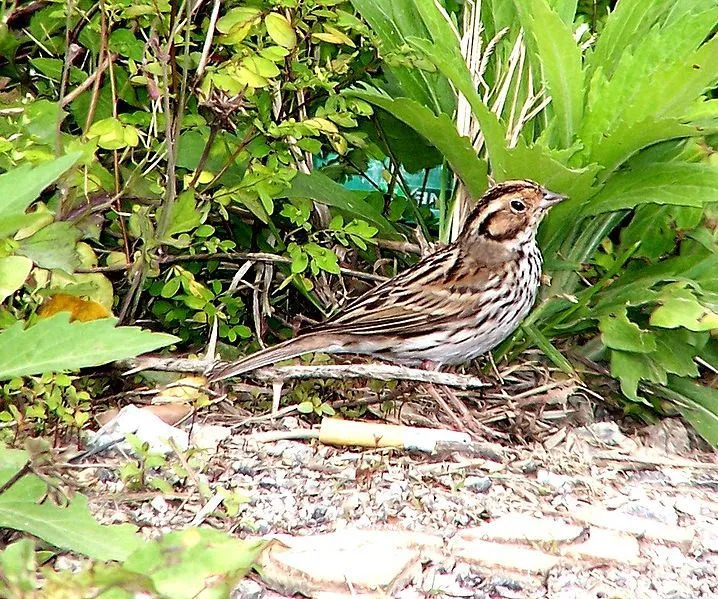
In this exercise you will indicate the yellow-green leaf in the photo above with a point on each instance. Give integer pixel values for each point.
(280, 30)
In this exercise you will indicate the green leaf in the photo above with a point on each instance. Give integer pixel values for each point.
(675, 355)
(656, 228)
(677, 183)
(440, 131)
(625, 26)
(323, 257)
(124, 42)
(394, 23)
(184, 215)
(452, 65)
(13, 272)
(70, 527)
(561, 64)
(54, 344)
(547, 348)
(21, 186)
(196, 562)
(680, 308)
(629, 368)
(280, 30)
(617, 332)
(698, 404)
(53, 246)
(322, 189)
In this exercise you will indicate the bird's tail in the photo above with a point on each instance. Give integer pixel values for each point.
(292, 348)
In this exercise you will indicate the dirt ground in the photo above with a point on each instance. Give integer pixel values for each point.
(556, 503)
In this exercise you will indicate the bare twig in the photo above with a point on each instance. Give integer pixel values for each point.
(207, 41)
(382, 372)
(249, 256)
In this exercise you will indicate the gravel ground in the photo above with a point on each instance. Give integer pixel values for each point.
(600, 515)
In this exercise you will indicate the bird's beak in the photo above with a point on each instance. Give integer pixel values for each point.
(550, 199)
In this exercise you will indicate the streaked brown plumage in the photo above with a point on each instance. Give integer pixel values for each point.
(452, 305)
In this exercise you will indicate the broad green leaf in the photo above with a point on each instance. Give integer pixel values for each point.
(322, 189)
(124, 42)
(699, 405)
(280, 30)
(682, 184)
(630, 368)
(21, 186)
(655, 227)
(617, 332)
(561, 64)
(55, 344)
(625, 26)
(53, 246)
(13, 272)
(68, 527)
(681, 308)
(439, 131)
(184, 215)
(612, 149)
(196, 562)
(675, 355)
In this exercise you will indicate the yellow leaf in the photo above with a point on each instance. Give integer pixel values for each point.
(80, 309)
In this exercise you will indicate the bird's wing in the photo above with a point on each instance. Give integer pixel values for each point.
(423, 296)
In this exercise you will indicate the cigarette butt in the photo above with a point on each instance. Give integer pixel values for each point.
(335, 431)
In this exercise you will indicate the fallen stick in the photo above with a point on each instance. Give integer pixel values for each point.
(382, 372)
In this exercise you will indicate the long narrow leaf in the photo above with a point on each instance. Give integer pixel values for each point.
(682, 184)
(561, 64)
(627, 24)
(439, 131)
(322, 189)
(394, 22)
(450, 62)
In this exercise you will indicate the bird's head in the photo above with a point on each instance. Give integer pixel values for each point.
(509, 213)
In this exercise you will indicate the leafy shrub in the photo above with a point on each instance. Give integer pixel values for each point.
(632, 257)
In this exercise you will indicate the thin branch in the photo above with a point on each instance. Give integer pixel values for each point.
(234, 256)
(207, 42)
(379, 371)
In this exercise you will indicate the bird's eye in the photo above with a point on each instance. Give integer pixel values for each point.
(517, 206)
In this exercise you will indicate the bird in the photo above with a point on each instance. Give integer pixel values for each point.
(452, 306)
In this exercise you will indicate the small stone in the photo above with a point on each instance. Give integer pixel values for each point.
(635, 525)
(688, 505)
(606, 545)
(159, 504)
(289, 422)
(651, 508)
(512, 557)
(523, 527)
(557, 482)
(477, 484)
(247, 589)
(209, 436)
(319, 513)
(709, 539)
